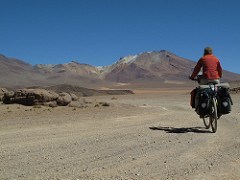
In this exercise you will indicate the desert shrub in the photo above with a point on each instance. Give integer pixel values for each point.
(37, 106)
(104, 104)
(96, 105)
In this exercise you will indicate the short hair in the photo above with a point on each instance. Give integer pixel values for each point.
(208, 50)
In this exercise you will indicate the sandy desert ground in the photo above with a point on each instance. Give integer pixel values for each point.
(148, 135)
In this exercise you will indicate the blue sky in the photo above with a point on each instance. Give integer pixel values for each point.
(99, 32)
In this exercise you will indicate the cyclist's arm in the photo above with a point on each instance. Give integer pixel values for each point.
(219, 69)
(196, 69)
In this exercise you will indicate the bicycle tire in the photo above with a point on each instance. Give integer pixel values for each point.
(213, 116)
(206, 122)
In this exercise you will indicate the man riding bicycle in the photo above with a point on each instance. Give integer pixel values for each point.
(211, 67)
(211, 101)
(211, 72)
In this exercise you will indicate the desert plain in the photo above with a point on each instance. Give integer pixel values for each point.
(152, 134)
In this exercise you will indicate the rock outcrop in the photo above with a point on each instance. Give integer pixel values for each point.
(2, 92)
(32, 97)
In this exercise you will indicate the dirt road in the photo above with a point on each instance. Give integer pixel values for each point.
(142, 136)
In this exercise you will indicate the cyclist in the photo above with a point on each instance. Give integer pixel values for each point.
(211, 72)
(211, 67)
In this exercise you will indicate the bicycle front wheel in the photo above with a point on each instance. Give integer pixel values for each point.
(213, 116)
(206, 122)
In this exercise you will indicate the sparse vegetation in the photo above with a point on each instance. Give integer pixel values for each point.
(96, 105)
(113, 98)
(104, 103)
(37, 106)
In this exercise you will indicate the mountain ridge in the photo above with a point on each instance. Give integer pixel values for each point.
(162, 67)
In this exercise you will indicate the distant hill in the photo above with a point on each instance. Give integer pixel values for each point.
(152, 69)
(14, 72)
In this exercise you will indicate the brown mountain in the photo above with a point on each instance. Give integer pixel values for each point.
(71, 73)
(157, 68)
(14, 72)
(150, 66)
(152, 69)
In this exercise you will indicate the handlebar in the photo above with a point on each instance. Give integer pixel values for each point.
(196, 79)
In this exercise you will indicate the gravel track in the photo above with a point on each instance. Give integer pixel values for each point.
(141, 136)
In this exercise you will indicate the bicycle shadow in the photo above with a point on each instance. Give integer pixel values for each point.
(181, 129)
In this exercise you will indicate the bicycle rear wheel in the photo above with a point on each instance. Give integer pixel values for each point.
(213, 116)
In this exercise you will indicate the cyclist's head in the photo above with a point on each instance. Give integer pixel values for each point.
(208, 50)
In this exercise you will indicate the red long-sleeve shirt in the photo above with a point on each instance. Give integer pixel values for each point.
(211, 67)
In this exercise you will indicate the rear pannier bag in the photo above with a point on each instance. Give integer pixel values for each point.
(193, 96)
(204, 102)
(225, 101)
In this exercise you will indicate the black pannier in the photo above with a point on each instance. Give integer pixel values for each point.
(193, 93)
(225, 101)
(204, 102)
